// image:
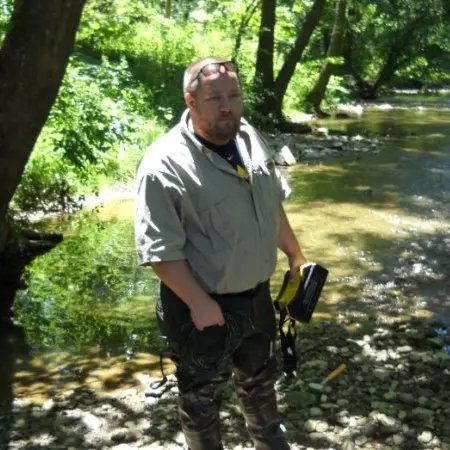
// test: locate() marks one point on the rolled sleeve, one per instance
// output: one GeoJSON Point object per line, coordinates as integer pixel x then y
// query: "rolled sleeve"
{"type": "Point", "coordinates": [281, 183]}
{"type": "Point", "coordinates": [284, 189]}
{"type": "Point", "coordinates": [158, 228]}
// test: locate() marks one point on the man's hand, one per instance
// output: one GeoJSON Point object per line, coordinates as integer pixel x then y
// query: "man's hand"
{"type": "Point", "coordinates": [206, 313]}
{"type": "Point", "coordinates": [295, 261]}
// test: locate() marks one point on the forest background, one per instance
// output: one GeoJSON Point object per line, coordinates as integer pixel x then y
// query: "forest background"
{"type": "Point", "coordinates": [122, 87]}
{"type": "Point", "coordinates": [122, 84]}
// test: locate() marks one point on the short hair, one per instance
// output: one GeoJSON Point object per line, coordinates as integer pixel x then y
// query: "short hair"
{"type": "Point", "coordinates": [191, 81]}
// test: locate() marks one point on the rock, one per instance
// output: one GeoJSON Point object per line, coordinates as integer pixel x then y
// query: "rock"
{"type": "Point", "coordinates": [316, 436]}
{"type": "Point", "coordinates": [48, 404]}
{"type": "Point", "coordinates": [37, 413]}
{"type": "Point", "coordinates": [423, 415]}
{"type": "Point", "coordinates": [318, 364]}
{"type": "Point", "coordinates": [285, 157]}
{"type": "Point", "coordinates": [224, 414]}
{"type": "Point", "coordinates": [122, 436]}
{"type": "Point", "coordinates": [322, 427]}
{"type": "Point", "coordinates": [425, 437]}
{"type": "Point", "coordinates": [321, 131]}
{"type": "Point", "coordinates": [300, 399]}
{"type": "Point", "coordinates": [407, 398]}
{"type": "Point", "coordinates": [355, 111]}
{"type": "Point", "coordinates": [20, 423]}
{"type": "Point", "coordinates": [386, 421]}
{"type": "Point", "coordinates": [405, 349]}
{"type": "Point", "coordinates": [336, 144]}
{"type": "Point", "coordinates": [342, 402]}
{"type": "Point", "coordinates": [360, 440]}
{"type": "Point", "coordinates": [384, 407]}
{"type": "Point", "coordinates": [348, 445]}
{"type": "Point", "coordinates": [315, 412]}
{"type": "Point", "coordinates": [310, 425]}
{"type": "Point", "coordinates": [382, 374]}
{"type": "Point", "coordinates": [92, 422]}
{"type": "Point", "coordinates": [390, 396]}
{"type": "Point", "coordinates": [398, 439]}
{"type": "Point", "coordinates": [342, 418]}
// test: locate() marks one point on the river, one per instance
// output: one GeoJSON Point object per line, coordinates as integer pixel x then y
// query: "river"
{"type": "Point", "coordinates": [379, 222]}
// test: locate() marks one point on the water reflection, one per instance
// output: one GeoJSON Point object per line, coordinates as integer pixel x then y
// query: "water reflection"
{"type": "Point", "coordinates": [429, 124]}
{"type": "Point", "coordinates": [89, 291]}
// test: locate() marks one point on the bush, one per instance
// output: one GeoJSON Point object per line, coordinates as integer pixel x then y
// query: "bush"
{"type": "Point", "coordinates": [96, 129]}
{"type": "Point", "coordinates": [47, 187]}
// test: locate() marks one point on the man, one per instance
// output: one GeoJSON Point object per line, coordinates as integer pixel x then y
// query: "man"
{"type": "Point", "coordinates": [209, 220]}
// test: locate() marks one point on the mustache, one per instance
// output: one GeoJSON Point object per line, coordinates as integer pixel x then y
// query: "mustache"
{"type": "Point", "coordinates": [227, 116]}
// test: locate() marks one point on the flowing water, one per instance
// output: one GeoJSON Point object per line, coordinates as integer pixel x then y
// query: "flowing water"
{"type": "Point", "coordinates": [378, 222]}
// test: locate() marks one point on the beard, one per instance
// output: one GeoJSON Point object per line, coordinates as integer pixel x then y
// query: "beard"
{"type": "Point", "coordinates": [225, 128]}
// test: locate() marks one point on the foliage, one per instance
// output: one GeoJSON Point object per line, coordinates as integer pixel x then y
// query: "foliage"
{"type": "Point", "coordinates": [92, 112]}
{"type": "Point", "coordinates": [123, 83]}
{"type": "Point", "coordinates": [93, 128]}
{"type": "Point", "coordinates": [93, 275]}
{"type": "Point", "coordinates": [6, 7]}
{"type": "Point", "coordinates": [389, 36]}
{"type": "Point", "coordinates": [47, 187]}
{"type": "Point", "coordinates": [338, 91]}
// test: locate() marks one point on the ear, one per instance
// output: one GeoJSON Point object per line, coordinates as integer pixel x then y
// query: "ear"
{"type": "Point", "coordinates": [190, 100]}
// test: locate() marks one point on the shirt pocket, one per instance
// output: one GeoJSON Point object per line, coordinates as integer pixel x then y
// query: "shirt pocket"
{"type": "Point", "coordinates": [266, 192]}
{"type": "Point", "coordinates": [218, 224]}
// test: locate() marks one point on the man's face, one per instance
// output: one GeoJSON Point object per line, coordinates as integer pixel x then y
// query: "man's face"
{"type": "Point", "coordinates": [216, 107]}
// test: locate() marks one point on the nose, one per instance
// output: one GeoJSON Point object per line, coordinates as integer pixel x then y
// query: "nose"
{"type": "Point", "coordinates": [225, 104]}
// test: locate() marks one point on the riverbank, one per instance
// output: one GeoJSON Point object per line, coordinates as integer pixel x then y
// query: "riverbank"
{"type": "Point", "coordinates": [304, 149]}
{"type": "Point", "coordinates": [394, 395]}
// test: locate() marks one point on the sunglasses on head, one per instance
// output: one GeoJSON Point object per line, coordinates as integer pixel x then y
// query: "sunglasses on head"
{"type": "Point", "coordinates": [214, 67]}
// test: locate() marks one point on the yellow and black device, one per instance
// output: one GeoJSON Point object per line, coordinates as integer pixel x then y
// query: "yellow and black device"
{"type": "Point", "coordinates": [296, 302]}
{"type": "Point", "coordinates": [299, 296]}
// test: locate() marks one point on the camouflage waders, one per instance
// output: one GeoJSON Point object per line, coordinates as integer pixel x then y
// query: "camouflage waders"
{"type": "Point", "coordinates": [206, 359]}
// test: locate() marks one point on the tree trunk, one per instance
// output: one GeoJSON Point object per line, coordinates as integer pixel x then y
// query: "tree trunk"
{"type": "Point", "coordinates": [168, 9]}
{"type": "Point", "coordinates": [294, 56]}
{"type": "Point", "coordinates": [250, 11]}
{"type": "Point", "coordinates": [263, 82]}
{"type": "Point", "coordinates": [366, 90]}
{"type": "Point", "coordinates": [33, 60]}
{"type": "Point", "coordinates": [398, 54]}
{"type": "Point", "coordinates": [317, 94]}
{"type": "Point", "coordinates": [14, 258]}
